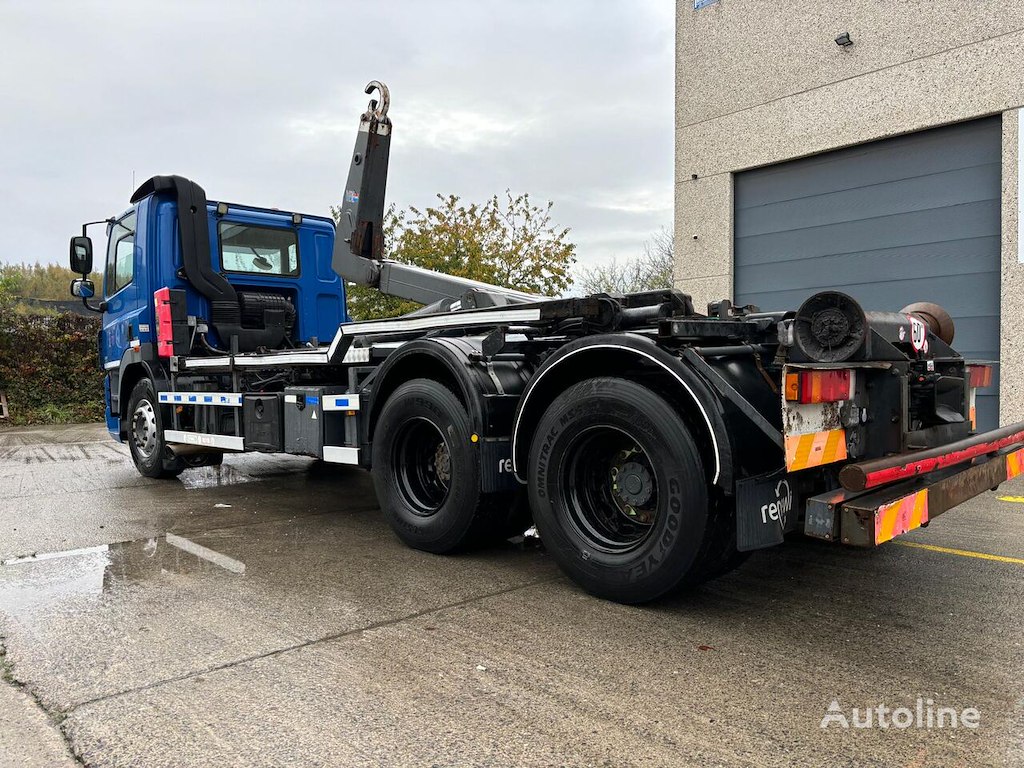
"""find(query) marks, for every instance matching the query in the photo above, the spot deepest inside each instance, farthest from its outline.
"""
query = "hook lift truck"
(657, 445)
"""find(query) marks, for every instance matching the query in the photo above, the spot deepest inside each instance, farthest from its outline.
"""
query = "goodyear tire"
(426, 471)
(618, 490)
(146, 419)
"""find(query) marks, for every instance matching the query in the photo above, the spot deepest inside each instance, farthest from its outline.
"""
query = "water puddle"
(244, 468)
(79, 577)
(213, 477)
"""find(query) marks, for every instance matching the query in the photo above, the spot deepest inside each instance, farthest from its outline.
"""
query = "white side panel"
(227, 442)
(337, 454)
(340, 402)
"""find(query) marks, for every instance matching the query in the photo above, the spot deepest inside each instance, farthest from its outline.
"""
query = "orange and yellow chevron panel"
(900, 516)
(815, 449)
(1014, 463)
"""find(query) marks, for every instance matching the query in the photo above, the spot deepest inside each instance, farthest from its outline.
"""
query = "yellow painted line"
(961, 552)
(1015, 499)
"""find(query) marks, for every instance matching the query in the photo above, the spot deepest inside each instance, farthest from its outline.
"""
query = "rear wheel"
(146, 441)
(618, 490)
(426, 471)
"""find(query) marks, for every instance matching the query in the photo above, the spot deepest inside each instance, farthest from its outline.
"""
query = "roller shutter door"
(914, 218)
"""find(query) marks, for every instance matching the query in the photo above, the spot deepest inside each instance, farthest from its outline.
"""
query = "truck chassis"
(653, 446)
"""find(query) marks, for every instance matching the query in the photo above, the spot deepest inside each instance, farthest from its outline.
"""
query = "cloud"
(645, 200)
(428, 127)
(260, 105)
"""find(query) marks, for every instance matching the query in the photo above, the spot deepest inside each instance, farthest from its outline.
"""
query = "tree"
(508, 242)
(653, 269)
(39, 281)
(9, 284)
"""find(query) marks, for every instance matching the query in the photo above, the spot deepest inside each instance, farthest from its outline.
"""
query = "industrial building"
(864, 146)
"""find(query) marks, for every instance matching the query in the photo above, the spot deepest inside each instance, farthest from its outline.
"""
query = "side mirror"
(81, 255)
(83, 288)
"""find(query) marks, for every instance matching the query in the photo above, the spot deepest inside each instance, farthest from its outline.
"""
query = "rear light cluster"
(819, 386)
(164, 327)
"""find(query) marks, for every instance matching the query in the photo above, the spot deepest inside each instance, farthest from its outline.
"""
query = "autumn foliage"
(507, 241)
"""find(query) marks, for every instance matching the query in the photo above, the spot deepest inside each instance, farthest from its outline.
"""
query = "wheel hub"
(611, 488)
(633, 484)
(144, 430)
(422, 463)
(443, 463)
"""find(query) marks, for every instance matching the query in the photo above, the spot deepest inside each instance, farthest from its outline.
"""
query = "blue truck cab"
(268, 259)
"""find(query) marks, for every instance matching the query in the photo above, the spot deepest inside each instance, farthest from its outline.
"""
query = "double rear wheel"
(617, 486)
(618, 491)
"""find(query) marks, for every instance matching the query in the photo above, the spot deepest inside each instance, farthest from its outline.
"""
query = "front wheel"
(146, 441)
(618, 490)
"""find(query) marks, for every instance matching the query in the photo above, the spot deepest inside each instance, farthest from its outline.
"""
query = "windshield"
(258, 250)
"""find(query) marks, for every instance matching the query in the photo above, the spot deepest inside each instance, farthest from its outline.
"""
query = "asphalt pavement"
(264, 614)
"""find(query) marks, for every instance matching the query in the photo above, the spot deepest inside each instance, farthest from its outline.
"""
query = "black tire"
(146, 419)
(426, 471)
(720, 555)
(618, 490)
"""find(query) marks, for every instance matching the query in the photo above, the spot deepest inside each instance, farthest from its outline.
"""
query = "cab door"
(121, 292)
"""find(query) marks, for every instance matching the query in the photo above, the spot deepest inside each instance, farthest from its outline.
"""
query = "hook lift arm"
(359, 246)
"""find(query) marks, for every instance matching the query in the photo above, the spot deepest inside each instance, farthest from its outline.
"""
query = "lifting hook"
(374, 111)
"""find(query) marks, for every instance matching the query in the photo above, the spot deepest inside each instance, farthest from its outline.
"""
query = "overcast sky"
(571, 101)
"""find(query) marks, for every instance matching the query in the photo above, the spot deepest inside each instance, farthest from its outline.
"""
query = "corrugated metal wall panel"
(914, 218)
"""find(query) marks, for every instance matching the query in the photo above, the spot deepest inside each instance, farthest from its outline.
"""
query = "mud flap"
(766, 510)
(496, 465)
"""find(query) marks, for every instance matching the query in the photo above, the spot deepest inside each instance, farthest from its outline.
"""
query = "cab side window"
(120, 255)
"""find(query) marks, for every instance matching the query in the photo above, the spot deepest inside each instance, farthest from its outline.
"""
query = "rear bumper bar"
(870, 518)
(865, 475)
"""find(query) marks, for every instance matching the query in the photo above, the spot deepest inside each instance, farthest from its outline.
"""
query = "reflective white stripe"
(228, 442)
(259, 361)
(233, 399)
(302, 358)
(341, 402)
(466, 318)
(206, 362)
(334, 343)
(337, 454)
(653, 359)
(357, 355)
(112, 364)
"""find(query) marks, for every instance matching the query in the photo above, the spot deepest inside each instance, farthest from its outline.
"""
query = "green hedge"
(49, 367)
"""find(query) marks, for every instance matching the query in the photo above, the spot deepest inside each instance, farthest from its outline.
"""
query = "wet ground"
(263, 614)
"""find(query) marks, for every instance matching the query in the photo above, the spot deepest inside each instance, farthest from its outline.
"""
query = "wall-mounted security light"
(844, 40)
